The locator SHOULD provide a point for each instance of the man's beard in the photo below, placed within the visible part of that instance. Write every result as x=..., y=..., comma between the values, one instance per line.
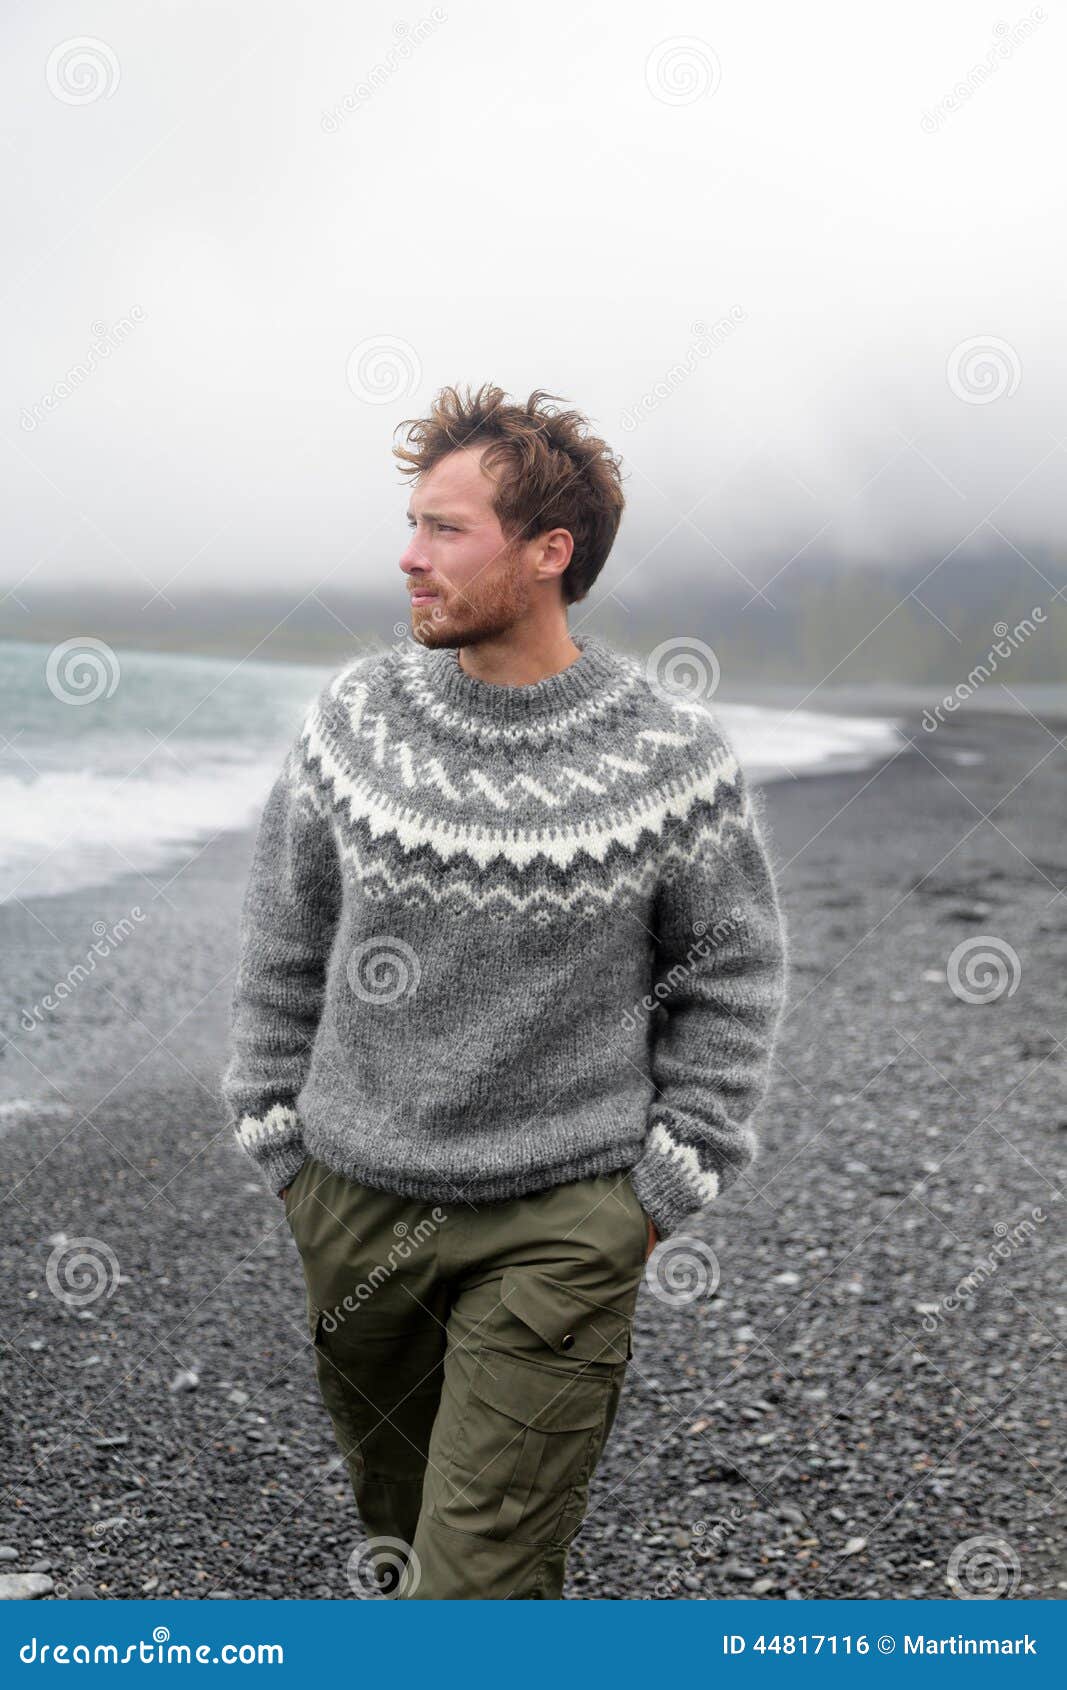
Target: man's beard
x=490, y=606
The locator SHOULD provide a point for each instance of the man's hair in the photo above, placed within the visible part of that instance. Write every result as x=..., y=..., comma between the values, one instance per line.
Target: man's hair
x=550, y=471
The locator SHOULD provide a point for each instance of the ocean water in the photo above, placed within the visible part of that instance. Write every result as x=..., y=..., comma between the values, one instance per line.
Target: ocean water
x=118, y=761
x=101, y=772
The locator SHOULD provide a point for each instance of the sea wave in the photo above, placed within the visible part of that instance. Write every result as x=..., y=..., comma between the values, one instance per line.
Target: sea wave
x=72, y=828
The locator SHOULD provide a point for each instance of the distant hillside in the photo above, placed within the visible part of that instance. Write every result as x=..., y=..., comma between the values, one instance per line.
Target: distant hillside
x=823, y=621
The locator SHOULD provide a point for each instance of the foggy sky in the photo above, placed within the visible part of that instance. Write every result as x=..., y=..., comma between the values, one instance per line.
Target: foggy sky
x=862, y=207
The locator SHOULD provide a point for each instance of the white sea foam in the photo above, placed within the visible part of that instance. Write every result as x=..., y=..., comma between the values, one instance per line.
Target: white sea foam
x=74, y=828
x=775, y=744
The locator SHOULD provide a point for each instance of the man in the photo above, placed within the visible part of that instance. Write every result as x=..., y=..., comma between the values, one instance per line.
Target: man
x=511, y=969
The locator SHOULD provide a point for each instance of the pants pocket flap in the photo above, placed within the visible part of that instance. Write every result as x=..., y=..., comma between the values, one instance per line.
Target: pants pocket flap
x=568, y=1321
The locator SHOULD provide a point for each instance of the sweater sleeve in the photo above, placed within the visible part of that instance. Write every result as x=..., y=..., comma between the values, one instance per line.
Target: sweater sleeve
x=719, y=966
x=288, y=921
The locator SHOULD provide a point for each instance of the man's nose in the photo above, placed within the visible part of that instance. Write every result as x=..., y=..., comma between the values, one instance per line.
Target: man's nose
x=411, y=558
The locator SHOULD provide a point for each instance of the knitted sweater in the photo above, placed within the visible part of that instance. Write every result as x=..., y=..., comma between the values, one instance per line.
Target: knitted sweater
x=496, y=938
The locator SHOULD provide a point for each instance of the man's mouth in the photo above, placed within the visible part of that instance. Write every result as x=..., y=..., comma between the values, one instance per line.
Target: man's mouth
x=422, y=595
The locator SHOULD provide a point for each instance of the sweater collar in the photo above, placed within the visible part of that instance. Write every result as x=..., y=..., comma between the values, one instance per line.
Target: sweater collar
x=589, y=674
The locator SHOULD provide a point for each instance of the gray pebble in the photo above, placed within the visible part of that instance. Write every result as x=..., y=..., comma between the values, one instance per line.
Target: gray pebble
x=23, y=1587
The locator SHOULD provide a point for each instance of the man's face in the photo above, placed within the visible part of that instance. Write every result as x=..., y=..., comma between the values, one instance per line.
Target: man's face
x=467, y=584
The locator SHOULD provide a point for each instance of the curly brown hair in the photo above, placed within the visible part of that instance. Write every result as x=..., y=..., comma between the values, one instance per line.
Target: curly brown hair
x=551, y=471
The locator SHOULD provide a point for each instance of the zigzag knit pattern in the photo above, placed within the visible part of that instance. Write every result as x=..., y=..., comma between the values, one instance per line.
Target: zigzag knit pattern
x=500, y=937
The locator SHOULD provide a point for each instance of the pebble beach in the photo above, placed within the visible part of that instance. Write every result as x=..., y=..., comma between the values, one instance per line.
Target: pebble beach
x=862, y=1399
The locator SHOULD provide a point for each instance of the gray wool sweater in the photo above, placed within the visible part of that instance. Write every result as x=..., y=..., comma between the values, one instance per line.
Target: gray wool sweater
x=496, y=938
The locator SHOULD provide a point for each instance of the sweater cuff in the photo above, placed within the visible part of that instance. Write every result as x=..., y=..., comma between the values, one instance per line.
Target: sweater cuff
x=275, y=1142
x=670, y=1183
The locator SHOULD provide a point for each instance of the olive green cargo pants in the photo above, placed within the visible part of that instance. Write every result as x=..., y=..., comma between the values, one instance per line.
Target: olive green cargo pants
x=471, y=1358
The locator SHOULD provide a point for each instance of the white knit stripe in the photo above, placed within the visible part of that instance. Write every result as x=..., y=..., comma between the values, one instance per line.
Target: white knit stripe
x=553, y=789
x=278, y=1125
x=382, y=879
x=415, y=886
x=646, y=812
x=684, y=1160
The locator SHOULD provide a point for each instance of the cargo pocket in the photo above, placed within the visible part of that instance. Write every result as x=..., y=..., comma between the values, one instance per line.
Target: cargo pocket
x=535, y=1422
x=570, y=1323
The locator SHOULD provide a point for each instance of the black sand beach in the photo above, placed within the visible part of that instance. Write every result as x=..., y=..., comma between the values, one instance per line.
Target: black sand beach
x=826, y=1425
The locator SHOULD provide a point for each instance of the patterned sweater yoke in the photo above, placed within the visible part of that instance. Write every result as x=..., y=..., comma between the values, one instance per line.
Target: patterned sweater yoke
x=500, y=937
